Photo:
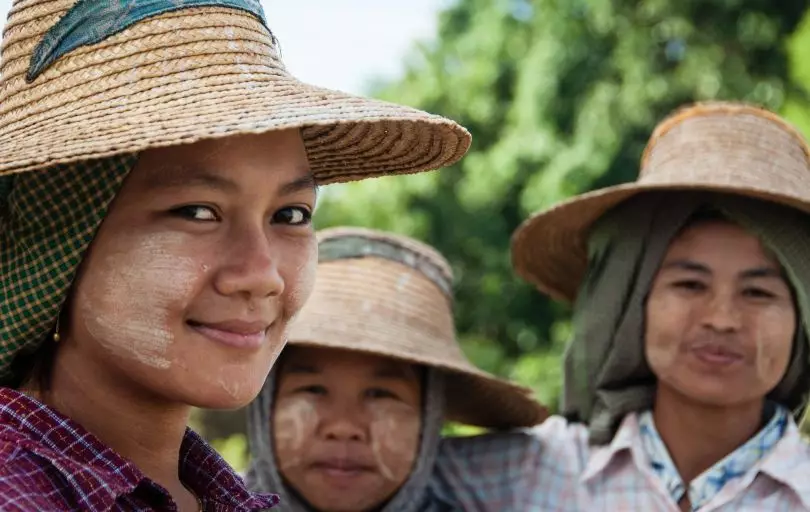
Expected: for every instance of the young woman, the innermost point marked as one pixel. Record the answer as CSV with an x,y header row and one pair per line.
x,y
689,363
351,417
157,178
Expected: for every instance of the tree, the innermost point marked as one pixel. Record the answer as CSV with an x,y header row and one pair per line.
x,y
560,97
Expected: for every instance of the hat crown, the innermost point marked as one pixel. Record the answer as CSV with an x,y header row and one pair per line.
x,y
723,144
61,52
399,287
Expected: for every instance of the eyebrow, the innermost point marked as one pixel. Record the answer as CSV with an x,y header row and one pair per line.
x,y
302,368
393,373
185,177
693,266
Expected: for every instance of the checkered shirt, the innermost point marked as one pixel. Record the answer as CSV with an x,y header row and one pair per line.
x,y
50,463
552,468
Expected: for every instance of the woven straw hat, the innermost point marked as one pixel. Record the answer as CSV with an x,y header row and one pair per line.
x,y
83,79
719,147
391,296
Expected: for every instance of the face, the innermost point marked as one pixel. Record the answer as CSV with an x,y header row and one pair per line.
x,y
206,254
720,318
346,427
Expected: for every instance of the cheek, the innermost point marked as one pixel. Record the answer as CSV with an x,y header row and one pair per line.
x,y
394,434
663,333
299,277
125,298
773,334
295,421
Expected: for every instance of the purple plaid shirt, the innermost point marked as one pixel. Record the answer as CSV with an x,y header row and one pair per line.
x,y
48,463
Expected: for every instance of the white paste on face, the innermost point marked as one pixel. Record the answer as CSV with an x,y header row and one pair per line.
x,y
131,315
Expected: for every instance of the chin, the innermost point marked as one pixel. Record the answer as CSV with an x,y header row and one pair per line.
x,y
222,391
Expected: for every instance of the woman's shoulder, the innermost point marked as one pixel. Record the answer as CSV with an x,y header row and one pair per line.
x,y
556,443
27,480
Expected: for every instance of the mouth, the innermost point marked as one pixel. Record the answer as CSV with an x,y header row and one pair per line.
x,y
341,469
716,356
233,333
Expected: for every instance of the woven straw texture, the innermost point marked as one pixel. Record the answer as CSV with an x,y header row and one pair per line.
x,y
720,147
189,74
380,306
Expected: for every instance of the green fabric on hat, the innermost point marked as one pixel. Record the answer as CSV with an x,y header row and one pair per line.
x,y
47,220
606,374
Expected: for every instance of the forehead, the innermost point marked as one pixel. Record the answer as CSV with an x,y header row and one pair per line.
x,y
274,156
719,241
328,361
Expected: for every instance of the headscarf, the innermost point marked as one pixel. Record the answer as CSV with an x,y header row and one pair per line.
x,y
413,496
47,220
606,371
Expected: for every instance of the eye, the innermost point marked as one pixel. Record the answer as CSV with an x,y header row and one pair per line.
x,y
692,285
293,216
196,212
312,390
758,293
380,393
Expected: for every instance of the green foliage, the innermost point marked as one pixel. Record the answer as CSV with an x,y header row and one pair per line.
x,y
560,97
234,450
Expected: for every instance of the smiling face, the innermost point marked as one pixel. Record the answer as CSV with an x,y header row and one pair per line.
x,y
720,319
205,256
346,426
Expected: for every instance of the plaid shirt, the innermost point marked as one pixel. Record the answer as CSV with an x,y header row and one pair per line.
x,y
50,463
551,468
708,484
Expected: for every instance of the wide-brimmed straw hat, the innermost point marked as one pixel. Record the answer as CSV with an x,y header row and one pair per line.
x,y
719,147
391,296
83,79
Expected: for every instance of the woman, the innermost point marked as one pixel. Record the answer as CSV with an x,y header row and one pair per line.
x,y
351,417
169,135
689,363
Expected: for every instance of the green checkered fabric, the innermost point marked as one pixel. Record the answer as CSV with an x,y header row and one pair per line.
x,y
47,220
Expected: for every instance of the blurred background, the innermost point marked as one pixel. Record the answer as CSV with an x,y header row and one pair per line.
x,y
560,97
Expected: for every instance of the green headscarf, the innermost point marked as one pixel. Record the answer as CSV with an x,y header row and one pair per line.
x,y
47,220
606,372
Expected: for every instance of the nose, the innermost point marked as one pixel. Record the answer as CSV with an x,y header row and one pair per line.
x,y
722,313
345,423
251,265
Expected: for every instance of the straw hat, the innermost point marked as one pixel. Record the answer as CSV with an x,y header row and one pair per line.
x,y
83,79
720,147
391,296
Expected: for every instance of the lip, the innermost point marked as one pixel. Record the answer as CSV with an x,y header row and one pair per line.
x,y
716,356
234,333
341,472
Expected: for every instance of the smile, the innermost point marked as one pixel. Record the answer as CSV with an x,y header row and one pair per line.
x,y
233,333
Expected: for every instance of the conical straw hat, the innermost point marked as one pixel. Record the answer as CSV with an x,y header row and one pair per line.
x,y
720,147
390,295
83,79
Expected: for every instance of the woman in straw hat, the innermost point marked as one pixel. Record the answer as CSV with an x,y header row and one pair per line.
x,y
689,363
169,134
350,419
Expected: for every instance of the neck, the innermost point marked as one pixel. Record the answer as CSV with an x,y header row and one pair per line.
x,y
146,430
698,436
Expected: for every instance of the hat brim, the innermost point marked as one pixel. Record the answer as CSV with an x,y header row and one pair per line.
x,y
346,137
549,250
474,397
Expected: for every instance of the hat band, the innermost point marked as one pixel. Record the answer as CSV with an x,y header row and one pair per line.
x,y
351,247
91,21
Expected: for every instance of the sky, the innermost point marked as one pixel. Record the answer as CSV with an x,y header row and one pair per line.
x,y
344,44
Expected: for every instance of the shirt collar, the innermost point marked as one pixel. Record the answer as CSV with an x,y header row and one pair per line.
x,y
72,450
788,462
708,484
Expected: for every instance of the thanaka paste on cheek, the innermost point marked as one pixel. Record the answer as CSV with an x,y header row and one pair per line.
x,y
295,420
129,310
394,434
